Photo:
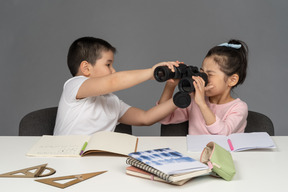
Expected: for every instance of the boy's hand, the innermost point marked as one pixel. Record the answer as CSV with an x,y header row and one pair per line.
x,y
169,64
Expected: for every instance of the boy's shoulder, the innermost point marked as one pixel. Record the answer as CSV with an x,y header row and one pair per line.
x,y
75,80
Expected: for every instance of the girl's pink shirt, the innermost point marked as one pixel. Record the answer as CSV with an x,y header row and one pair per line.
x,y
230,118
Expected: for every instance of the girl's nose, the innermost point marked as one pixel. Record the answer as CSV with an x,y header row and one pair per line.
x,y
113,70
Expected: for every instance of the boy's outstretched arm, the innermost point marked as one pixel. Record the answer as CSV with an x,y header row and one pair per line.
x,y
95,86
138,117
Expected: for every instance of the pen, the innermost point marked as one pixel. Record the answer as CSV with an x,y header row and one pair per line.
x,y
83,148
230,144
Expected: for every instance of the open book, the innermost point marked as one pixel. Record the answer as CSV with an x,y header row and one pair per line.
x,y
80,145
167,164
233,142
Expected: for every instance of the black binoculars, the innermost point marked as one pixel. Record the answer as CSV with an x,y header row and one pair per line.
x,y
184,72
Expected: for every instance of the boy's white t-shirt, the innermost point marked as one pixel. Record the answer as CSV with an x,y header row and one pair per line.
x,y
89,115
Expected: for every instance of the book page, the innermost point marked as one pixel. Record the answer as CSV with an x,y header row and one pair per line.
x,y
245,141
58,146
113,142
196,143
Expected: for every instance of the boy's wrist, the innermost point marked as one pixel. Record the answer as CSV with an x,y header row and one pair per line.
x,y
151,72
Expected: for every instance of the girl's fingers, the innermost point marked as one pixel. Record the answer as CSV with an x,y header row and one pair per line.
x,y
208,87
199,81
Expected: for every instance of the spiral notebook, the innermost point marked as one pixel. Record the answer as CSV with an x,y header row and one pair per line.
x,y
167,164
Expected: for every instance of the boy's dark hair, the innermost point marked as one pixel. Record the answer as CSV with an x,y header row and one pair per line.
x,y
86,49
231,60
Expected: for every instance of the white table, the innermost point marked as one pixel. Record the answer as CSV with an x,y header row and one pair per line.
x,y
257,170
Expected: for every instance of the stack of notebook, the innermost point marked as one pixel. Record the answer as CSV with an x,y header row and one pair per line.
x,y
165,165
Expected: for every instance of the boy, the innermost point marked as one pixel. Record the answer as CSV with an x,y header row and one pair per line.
x,y
87,104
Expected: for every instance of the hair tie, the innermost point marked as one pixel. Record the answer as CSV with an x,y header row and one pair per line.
x,y
235,46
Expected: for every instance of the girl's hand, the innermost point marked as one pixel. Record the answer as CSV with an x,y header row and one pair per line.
x,y
199,97
172,83
199,85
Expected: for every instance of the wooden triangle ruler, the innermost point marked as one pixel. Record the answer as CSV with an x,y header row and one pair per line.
x,y
35,171
73,179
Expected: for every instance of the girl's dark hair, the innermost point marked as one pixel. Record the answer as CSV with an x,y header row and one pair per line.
x,y
86,49
231,60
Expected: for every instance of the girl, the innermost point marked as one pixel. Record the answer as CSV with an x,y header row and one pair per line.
x,y
213,110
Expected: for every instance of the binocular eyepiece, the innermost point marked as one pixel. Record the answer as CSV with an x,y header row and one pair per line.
x,y
184,72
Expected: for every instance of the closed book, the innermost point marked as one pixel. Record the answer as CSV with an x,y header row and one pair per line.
x,y
167,164
134,171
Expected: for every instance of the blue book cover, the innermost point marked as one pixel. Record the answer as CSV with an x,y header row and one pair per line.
x,y
168,161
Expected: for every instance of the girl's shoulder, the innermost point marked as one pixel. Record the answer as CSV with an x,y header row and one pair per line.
x,y
239,106
236,103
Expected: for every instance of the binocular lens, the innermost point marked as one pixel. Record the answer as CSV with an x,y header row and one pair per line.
x,y
162,73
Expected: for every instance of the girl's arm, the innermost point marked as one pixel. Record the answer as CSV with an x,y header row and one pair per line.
x,y
168,90
207,114
139,117
234,122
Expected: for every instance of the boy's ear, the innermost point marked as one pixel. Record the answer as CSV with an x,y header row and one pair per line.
x,y
85,68
233,80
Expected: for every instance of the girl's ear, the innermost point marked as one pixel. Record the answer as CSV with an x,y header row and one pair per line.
x,y
233,80
84,68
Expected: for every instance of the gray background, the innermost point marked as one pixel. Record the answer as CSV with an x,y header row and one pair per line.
x,y
35,37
